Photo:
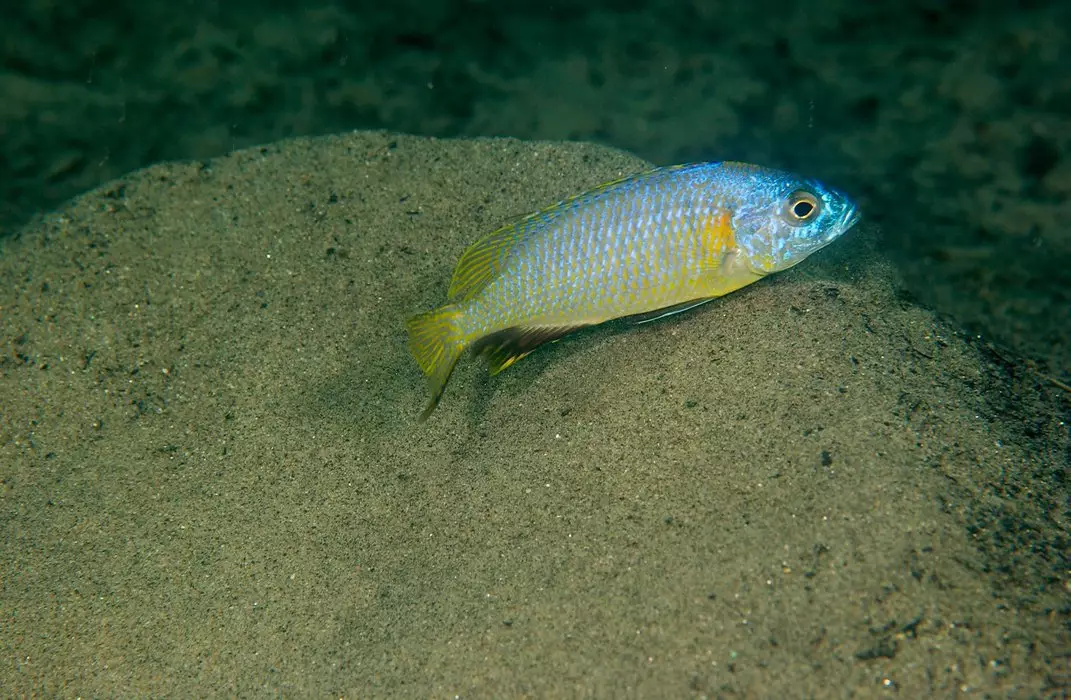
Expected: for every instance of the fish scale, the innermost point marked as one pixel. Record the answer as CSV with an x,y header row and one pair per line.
x,y
661,241
600,238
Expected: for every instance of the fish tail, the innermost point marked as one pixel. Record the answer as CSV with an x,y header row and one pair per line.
x,y
436,341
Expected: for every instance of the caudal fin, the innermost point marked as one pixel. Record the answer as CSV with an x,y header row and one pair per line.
x,y
436,342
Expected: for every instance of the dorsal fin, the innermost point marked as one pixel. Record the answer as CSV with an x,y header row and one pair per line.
x,y
505,347
485,258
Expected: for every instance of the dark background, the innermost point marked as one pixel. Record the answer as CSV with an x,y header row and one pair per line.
x,y
948,120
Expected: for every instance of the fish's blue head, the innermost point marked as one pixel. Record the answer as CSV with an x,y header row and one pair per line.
x,y
785,218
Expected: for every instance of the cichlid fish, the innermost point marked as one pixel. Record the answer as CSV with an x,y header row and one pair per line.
x,y
655,243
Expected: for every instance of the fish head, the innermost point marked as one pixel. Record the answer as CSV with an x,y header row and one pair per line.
x,y
785,218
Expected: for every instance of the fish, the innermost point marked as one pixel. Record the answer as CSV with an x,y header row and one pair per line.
x,y
648,245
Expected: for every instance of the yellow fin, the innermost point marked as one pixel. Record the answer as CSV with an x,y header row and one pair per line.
x,y
482,261
718,238
436,343
505,347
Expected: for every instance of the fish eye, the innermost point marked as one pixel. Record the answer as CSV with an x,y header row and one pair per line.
x,y
801,207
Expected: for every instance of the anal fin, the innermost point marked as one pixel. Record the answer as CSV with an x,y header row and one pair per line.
x,y
503,348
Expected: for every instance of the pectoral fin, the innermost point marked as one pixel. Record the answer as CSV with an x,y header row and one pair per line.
x,y
670,310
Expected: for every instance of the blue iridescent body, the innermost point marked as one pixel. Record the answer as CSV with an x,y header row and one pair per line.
x,y
666,239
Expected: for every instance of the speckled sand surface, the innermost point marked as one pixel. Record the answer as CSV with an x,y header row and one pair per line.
x,y
213,482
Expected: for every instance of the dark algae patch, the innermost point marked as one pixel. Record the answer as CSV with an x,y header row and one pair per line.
x,y
213,481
